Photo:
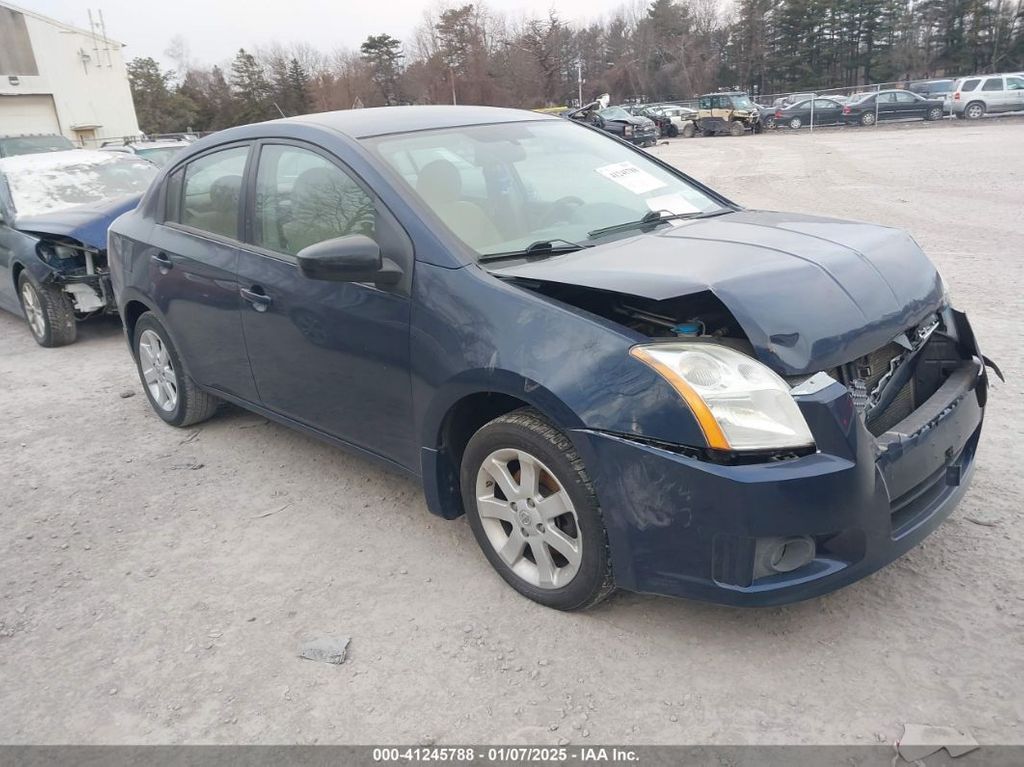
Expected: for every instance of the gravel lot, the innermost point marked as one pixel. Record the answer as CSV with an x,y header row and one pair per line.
x,y
156,583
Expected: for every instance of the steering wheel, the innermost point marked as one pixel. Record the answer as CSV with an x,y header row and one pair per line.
x,y
561,210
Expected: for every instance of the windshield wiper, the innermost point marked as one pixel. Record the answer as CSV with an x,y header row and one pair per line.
x,y
654,218
538,248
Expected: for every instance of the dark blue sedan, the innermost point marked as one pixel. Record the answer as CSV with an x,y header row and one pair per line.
x,y
622,378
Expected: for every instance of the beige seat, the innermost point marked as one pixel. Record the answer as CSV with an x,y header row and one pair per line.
x,y
440,185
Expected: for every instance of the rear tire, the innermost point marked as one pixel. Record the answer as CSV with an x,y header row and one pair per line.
x,y
868,118
796,123
673,130
48,311
170,390
974,111
549,507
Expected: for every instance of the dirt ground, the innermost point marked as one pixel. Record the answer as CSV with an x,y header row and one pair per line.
x,y
156,583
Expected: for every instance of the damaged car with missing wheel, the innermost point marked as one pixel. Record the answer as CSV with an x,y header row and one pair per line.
x,y
620,377
54,212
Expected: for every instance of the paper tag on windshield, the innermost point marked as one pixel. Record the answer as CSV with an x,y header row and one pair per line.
x,y
671,203
627,175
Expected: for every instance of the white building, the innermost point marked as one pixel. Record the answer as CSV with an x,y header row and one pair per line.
x,y
55,78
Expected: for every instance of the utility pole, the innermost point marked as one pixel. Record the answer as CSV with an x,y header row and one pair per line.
x,y
579,80
451,72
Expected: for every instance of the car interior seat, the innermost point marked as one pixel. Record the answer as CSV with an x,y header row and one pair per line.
x,y
440,184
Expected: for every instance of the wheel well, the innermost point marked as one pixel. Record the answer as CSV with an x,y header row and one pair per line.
x,y
970,104
16,273
131,313
460,423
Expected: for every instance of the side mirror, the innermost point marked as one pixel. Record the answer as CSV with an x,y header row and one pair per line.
x,y
353,258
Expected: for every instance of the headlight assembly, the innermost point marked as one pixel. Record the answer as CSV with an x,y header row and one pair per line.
x,y
739,403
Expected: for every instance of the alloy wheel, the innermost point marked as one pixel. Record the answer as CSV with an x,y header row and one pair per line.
x,y
974,111
158,371
795,123
528,518
33,310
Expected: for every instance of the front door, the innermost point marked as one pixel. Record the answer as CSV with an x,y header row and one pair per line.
x,y
192,265
332,355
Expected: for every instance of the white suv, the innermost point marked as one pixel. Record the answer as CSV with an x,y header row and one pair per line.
x,y
975,96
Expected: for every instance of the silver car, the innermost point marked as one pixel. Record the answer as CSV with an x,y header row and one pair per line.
x,y
973,97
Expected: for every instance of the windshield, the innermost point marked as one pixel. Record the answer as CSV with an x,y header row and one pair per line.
x,y
159,156
15,145
44,183
501,188
614,113
742,102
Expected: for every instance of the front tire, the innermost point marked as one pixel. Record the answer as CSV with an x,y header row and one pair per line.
x,y
689,130
934,114
736,129
172,393
534,513
48,311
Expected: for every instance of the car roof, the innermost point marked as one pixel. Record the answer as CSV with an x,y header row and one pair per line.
x,y
376,121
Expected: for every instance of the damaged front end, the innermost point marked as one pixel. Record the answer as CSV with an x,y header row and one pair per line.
x,y
80,271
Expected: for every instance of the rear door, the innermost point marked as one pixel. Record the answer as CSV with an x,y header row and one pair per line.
x,y
192,266
826,112
331,355
886,102
994,92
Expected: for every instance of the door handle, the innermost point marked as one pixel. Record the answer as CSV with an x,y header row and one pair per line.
x,y
163,262
255,296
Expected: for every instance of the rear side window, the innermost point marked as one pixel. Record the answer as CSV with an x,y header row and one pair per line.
x,y
886,98
905,98
993,84
969,85
211,190
1015,83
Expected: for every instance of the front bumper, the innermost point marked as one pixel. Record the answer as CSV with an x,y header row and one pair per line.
x,y
644,137
681,526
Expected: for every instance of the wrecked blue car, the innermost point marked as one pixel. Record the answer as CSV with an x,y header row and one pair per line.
x,y
620,377
54,212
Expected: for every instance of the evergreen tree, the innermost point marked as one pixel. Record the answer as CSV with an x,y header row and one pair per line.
x,y
251,89
383,54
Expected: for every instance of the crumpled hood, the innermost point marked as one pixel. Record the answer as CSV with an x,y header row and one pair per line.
x,y
86,223
810,293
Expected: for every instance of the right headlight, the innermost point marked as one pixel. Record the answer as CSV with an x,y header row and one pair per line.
x,y
739,403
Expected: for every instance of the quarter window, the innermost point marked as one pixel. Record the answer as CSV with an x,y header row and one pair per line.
x,y
212,188
302,199
969,85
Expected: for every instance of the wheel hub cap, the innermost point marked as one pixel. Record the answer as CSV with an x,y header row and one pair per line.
x,y
33,310
529,518
157,371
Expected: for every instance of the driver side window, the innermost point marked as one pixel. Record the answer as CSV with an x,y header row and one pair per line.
x,y
302,198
